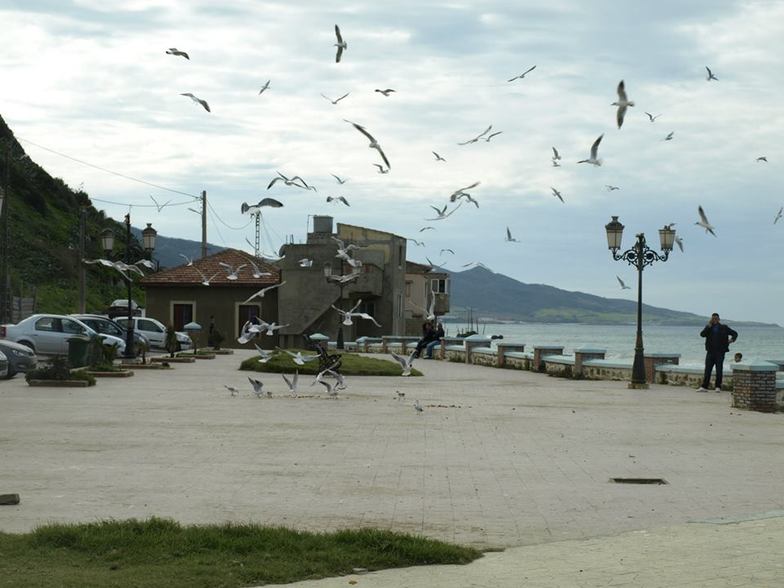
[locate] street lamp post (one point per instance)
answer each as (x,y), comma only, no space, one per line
(339,343)
(148,240)
(639,256)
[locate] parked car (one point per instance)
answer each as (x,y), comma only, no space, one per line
(48,334)
(119,308)
(155,332)
(20,357)
(3,365)
(105,325)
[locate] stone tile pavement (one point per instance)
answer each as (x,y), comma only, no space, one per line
(499,458)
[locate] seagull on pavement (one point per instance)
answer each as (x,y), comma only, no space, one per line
(418,407)
(336,100)
(703,222)
(264,87)
(557,194)
(522,75)
(198,101)
(258,386)
(622,104)
(292,383)
(341,44)
(509,237)
(710,75)
(263,291)
(178,53)
(373,143)
(232,390)
(406,363)
(623,285)
(594,158)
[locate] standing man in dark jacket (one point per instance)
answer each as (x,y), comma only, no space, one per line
(717,342)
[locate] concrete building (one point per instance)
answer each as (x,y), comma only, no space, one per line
(177,296)
(307,296)
(424,286)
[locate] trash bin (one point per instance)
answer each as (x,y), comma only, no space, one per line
(77,351)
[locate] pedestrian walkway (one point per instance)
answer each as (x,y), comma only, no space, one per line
(497,459)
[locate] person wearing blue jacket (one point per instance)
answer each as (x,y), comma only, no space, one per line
(717,342)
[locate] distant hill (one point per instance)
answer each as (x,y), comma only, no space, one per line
(489,294)
(168,249)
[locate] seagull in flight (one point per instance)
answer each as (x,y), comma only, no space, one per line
(669,136)
(491,135)
(288,181)
(441,212)
(264,355)
(264,87)
(522,75)
(381,168)
(651,117)
(263,291)
(386,92)
(159,206)
(205,281)
(187,259)
(594,158)
(509,237)
(623,285)
(257,273)
(479,136)
(438,157)
(622,104)
(305,262)
(178,53)
(292,383)
(232,273)
(611,188)
(298,358)
(198,101)
(346,314)
(462,192)
(344,279)
(258,386)
(338,199)
(417,243)
(340,180)
(779,214)
(763,158)
(256,208)
(341,44)
(710,75)
(679,242)
(373,143)
(427,229)
(405,362)
(120,266)
(556,155)
(336,100)
(430,314)
(557,194)
(703,222)
(447,250)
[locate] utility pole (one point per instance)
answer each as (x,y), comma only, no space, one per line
(204,223)
(82,272)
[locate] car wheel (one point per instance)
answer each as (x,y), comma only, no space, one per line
(28,345)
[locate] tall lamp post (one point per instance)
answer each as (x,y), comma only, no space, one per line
(148,241)
(340,344)
(639,256)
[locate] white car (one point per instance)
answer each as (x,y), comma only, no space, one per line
(48,334)
(155,332)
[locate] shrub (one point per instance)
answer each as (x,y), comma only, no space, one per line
(58,370)
(171,344)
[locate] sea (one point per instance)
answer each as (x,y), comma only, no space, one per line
(754,342)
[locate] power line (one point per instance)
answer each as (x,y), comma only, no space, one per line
(108,171)
(212,210)
(140,205)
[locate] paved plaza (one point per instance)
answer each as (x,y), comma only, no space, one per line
(498,458)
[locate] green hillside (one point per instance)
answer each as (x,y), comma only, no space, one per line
(44,236)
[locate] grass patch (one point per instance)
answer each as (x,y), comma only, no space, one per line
(353,365)
(161,552)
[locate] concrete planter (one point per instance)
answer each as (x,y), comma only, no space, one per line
(119,374)
(222,351)
(58,383)
(178,359)
(146,366)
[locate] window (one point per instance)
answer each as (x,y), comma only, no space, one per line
(408,289)
(148,325)
(45,324)
(245,313)
(439,286)
(399,255)
(182,314)
(72,327)
(368,307)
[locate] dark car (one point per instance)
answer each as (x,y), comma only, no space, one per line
(20,357)
(105,325)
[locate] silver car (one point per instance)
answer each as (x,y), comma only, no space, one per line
(48,334)
(155,332)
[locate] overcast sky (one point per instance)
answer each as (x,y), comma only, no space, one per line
(90,79)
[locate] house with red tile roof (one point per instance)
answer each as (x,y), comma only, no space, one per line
(179,295)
